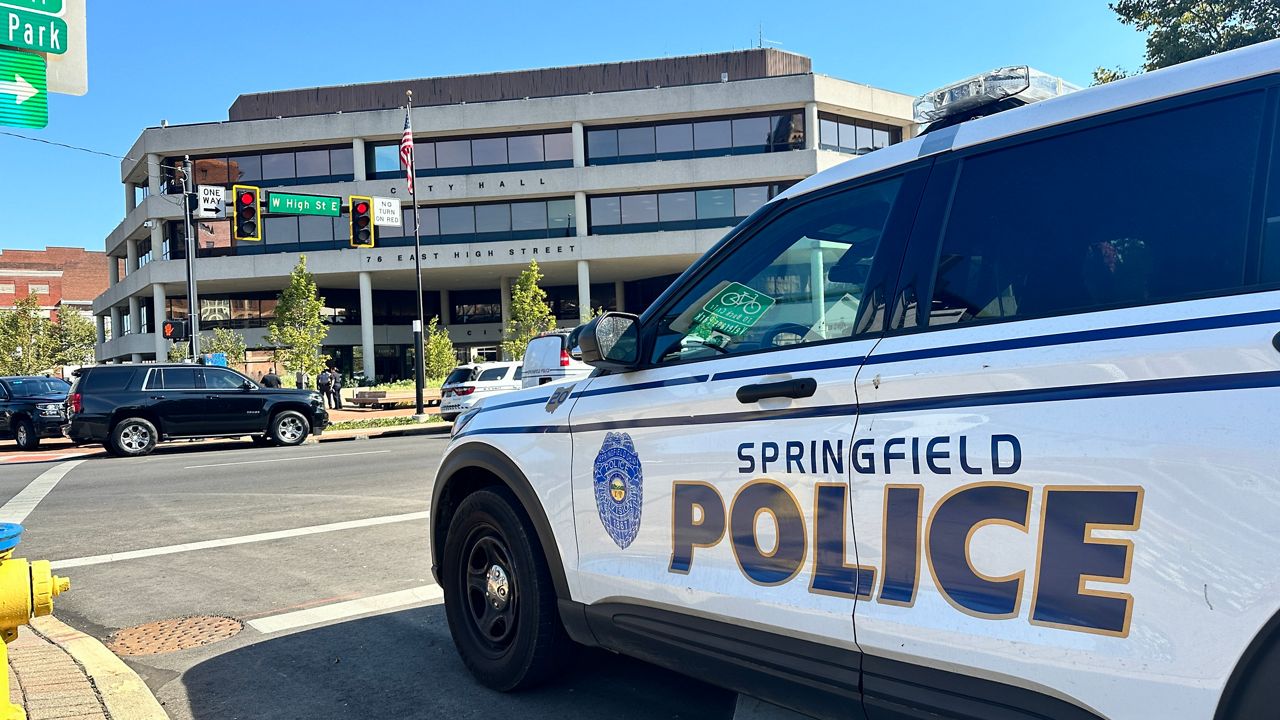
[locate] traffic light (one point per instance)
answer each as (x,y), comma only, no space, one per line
(175,330)
(361,222)
(247,224)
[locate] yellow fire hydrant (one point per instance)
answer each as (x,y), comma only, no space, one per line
(27,590)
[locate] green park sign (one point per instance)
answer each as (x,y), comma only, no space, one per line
(53,7)
(24,96)
(32,31)
(291,204)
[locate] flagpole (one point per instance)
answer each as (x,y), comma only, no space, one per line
(418,353)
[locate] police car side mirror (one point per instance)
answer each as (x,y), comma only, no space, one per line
(611,341)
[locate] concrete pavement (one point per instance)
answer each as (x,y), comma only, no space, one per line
(280,532)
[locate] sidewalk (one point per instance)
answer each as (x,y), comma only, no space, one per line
(58,673)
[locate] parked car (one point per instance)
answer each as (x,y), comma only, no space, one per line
(551,357)
(130,408)
(469,384)
(31,408)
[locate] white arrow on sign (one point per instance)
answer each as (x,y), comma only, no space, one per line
(19,88)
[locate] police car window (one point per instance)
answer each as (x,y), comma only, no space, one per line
(798,280)
(457,375)
(1122,214)
(221,379)
(492,374)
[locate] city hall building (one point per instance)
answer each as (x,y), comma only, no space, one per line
(613,177)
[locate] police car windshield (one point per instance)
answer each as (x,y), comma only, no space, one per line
(30,387)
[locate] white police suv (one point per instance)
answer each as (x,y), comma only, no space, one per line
(985,424)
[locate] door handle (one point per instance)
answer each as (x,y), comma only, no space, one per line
(210,397)
(157,397)
(798,388)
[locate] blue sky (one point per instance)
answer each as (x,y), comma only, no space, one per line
(186,62)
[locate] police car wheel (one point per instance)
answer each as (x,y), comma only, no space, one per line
(499,598)
(289,428)
(133,437)
(24,434)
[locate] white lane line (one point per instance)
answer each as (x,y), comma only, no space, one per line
(287,459)
(374,604)
(21,505)
(240,540)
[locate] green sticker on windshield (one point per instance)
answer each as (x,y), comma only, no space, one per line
(730,313)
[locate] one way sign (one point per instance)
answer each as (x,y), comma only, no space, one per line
(24,101)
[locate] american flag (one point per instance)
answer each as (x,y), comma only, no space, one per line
(406,151)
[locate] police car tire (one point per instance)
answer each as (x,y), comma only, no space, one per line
(24,434)
(540,645)
(297,420)
(133,425)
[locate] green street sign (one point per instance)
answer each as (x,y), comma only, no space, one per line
(730,313)
(24,97)
(33,31)
(292,204)
(53,7)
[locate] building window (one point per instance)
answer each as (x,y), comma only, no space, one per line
(486,222)
(679,209)
(7,289)
(38,289)
(475,306)
(854,136)
(276,168)
(493,153)
(736,135)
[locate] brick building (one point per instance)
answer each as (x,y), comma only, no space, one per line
(65,277)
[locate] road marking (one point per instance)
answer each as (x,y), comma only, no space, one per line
(287,459)
(240,540)
(374,604)
(21,505)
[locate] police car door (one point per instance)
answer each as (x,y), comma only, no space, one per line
(713,480)
(1050,472)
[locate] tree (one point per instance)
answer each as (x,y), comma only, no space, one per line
(1102,76)
(27,342)
(530,314)
(179,352)
(1182,30)
(74,338)
(439,351)
(297,331)
(228,342)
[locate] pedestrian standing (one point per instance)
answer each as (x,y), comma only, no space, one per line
(324,383)
(300,378)
(336,385)
(270,379)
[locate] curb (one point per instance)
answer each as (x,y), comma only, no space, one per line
(434,428)
(122,691)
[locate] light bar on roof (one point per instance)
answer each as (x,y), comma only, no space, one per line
(1026,83)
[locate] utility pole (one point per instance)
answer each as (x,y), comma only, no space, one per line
(193,301)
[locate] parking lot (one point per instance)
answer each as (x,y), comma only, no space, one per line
(310,567)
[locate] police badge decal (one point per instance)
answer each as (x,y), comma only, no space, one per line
(619,484)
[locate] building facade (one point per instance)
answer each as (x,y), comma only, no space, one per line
(613,177)
(61,278)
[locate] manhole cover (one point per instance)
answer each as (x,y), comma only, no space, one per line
(165,636)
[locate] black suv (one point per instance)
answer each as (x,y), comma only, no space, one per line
(32,408)
(129,408)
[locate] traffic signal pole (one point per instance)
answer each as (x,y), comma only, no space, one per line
(193,301)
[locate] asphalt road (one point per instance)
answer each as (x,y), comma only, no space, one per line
(397,663)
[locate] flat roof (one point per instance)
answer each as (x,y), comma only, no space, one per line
(519,84)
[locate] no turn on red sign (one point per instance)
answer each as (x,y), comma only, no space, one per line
(386,212)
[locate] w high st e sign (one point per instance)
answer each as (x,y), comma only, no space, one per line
(42,50)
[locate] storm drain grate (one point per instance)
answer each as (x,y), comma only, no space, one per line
(164,636)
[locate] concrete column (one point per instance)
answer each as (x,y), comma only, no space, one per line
(620,295)
(153,174)
(579,146)
(135,358)
(116,330)
(131,257)
(580,213)
(818,288)
(504,295)
(445,311)
(113,270)
(810,125)
(157,238)
(584,290)
(158,314)
(102,329)
(135,315)
(130,199)
(358,158)
(366,325)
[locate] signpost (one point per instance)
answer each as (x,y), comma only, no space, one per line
(293,204)
(24,99)
(212,198)
(386,212)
